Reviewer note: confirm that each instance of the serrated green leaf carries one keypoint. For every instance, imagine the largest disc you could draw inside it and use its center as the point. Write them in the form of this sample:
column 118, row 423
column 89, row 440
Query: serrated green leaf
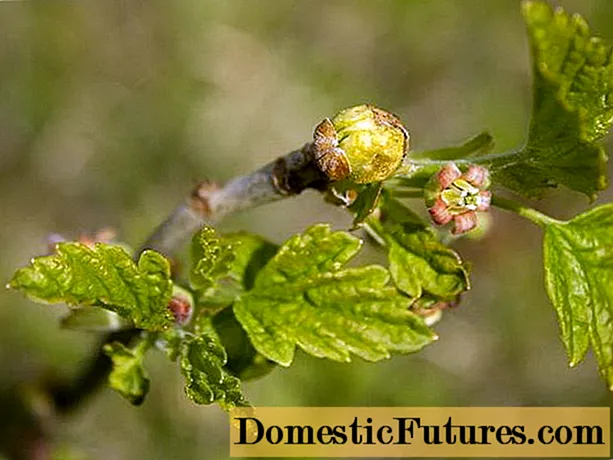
column 578, row 258
column 419, row 263
column 572, row 108
column 94, row 319
column 128, row 376
column 206, row 380
column 212, row 258
column 104, row 275
column 479, row 145
column 304, row 297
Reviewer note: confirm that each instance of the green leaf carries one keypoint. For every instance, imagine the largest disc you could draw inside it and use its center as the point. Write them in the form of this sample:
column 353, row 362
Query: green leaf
column 212, row 258
column 305, row 297
column 572, row 108
column 578, row 259
column 128, row 376
column 202, row 361
column 105, row 276
column 419, row 263
column 479, row 145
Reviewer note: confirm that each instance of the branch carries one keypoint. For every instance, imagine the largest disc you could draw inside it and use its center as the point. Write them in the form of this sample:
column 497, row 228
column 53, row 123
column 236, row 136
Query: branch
column 287, row 176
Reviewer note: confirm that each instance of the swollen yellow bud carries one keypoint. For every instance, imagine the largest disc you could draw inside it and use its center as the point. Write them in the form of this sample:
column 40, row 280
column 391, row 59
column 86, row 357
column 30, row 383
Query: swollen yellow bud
column 363, row 144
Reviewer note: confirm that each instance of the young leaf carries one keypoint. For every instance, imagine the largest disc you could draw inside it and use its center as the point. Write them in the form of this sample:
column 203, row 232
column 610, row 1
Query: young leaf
column 105, row 276
column 202, row 360
column 415, row 174
column 366, row 202
column 419, row 263
column 572, row 108
column 304, row 297
column 479, row 145
column 212, row 258
column 128, row 376
column 579, row 279
column 251, row 253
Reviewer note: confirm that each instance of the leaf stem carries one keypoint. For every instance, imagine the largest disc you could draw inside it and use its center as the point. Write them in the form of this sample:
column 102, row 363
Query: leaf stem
column 540, row 219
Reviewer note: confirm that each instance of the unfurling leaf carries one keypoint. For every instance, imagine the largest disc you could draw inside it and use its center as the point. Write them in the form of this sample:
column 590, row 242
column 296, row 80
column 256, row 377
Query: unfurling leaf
column 104, row 276
column 419, row 263
column 366, row 202
column 202, row 360
column 579, row 279
column 572, row 108
column 305, row 297
column 128, row 376
column 212, row 258
column 251, row 253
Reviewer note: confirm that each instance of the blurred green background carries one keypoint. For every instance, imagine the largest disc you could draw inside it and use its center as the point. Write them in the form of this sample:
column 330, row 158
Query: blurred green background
column 110, row 112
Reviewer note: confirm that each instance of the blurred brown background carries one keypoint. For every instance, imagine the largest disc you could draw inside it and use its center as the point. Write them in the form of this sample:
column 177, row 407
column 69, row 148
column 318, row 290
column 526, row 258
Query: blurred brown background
column 110, row 111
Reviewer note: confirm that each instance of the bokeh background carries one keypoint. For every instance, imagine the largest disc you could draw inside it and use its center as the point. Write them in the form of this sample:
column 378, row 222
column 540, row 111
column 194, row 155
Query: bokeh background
column 110, row 112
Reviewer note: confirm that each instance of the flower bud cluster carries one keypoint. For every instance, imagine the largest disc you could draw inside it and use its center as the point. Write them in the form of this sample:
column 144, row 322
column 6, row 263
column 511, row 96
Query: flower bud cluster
column 455, row 196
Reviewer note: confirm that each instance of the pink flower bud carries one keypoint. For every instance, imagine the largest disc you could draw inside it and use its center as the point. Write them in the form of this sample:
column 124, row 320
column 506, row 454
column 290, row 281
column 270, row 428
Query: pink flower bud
column 463, row 223
column 476, row 175
column 440, row 213
column 485, row 199
column 448, row 174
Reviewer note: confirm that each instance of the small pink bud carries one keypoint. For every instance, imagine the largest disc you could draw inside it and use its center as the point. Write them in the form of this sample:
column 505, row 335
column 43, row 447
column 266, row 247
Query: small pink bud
column 52, row 240
column 105, row 235
column 440, row 213
column 464, row 222
column 448, row 174
column 181, row 309
column 476, row 175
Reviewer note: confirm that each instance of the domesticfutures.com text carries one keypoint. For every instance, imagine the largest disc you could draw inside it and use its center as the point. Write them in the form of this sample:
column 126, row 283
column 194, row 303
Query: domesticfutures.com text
column 405, row 430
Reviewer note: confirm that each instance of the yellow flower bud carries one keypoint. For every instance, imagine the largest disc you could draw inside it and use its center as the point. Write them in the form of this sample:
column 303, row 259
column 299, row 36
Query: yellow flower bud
column 363, row 144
